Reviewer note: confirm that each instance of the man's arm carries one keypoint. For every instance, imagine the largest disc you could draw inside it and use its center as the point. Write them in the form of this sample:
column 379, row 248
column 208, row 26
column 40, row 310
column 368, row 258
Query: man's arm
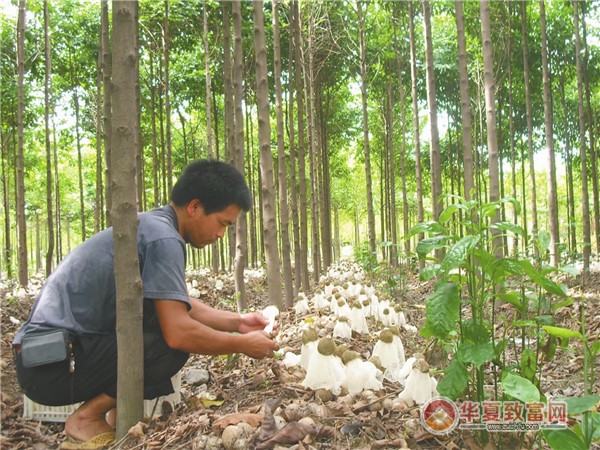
column 214, row 318
column 182, row 332
column 226, row 320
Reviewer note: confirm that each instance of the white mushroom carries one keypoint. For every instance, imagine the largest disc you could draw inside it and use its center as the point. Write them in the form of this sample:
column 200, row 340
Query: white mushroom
column 360, row 375
column 342, row 328
column 420, row 386
column 309, row 346
column 324, row 370
column 387, row 352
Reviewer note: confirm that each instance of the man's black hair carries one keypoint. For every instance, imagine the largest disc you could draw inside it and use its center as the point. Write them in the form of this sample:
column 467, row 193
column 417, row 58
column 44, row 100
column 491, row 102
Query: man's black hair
column 215, row 184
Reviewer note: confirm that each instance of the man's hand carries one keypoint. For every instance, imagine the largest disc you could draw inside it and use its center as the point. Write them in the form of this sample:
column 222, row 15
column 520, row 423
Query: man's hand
column 254, row 322
column 257, row 344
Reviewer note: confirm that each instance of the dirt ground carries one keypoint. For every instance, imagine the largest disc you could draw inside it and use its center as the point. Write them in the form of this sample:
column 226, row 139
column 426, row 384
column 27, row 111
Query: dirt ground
column 241, row 385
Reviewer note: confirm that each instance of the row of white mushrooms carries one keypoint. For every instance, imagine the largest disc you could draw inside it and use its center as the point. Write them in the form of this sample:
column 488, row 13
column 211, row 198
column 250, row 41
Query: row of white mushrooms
column 344, row 306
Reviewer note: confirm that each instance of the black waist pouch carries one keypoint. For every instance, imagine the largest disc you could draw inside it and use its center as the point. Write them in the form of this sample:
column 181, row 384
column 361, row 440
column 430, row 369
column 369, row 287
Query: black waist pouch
column 44, row 347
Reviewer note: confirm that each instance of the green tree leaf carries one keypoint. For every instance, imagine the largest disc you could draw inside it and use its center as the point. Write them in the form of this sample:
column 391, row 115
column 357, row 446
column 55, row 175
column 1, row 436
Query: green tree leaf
column 520, row 388
column 442, row 308
column 541, row 280
column 427, row 227
column 564, row 333
column 455, row 380
column 579, row 405
column 458, row 252
column 508, row 226
column 477, row 354
column 428, row 245
column 563, row 439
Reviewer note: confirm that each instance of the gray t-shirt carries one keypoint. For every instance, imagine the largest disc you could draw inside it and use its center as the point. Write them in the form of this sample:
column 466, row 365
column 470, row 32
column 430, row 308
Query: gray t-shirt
column 80, row 294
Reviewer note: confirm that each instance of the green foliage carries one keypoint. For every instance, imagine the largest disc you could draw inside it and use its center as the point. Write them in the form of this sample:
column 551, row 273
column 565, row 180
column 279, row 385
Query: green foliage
column 364, row 257
column 462, row 313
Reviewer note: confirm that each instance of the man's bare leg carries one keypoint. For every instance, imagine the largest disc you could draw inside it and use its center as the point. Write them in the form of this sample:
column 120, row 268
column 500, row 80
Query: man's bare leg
column 111, row 418
column 89, row 419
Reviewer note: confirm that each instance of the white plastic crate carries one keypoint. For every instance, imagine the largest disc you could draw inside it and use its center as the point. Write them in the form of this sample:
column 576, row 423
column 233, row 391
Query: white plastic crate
column 42, row 413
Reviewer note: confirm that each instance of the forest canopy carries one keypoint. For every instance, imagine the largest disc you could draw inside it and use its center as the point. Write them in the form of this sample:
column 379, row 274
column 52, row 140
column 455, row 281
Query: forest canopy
column 383, row 119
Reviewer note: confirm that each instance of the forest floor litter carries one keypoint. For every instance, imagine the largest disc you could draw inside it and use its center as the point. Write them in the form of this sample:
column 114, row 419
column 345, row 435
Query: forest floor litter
column 238, row 402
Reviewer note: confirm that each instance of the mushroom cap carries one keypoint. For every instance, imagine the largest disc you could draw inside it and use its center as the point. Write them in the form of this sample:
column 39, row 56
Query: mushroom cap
column 398, row 308
column 386, row 336
column 326, row 346
column 340, row 302
column 340, row 349
column 376, row 361
column 349, row 355
column 395, row 330
column 386, row 311
column 422, row 365
column 342, row 319
column 309, row 335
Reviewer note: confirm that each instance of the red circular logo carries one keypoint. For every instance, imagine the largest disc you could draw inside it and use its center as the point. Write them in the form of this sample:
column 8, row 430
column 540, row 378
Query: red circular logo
column 439, row 415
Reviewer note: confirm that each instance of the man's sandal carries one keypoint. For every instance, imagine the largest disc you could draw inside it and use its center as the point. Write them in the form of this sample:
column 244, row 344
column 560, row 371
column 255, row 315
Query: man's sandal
column 99, row 441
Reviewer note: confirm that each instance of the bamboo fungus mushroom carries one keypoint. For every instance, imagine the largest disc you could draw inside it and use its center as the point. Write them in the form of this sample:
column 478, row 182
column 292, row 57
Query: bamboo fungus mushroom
column 360, row 375
column 342, row 328
column 309, row 346
column 324, row 369
column 387, row 351
column 420, row 386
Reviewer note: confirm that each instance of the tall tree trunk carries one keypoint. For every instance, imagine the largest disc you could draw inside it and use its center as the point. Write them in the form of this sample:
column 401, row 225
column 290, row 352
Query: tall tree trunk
column 283, row 204
column 82, row 210
column 405, row 218
column 435, row 157
column 365, row 122
column 241, row 234
column 167, row 56
column 416, row 127
column 309, row 80
column 529, row 116
column 5, row 176
column 99, row 194
column 490, row 110
column 294, row 50
column 548, row 124
column 208, row 100
column 266, row 158
column 465, row 100
column 20, row 166
column 130, row 365
column 229, row 116
column 107, row 106
column 392, row 181
column 303, row 207
column 585, row 200
column 47, row 112
column 591, row 130
column 571, row 220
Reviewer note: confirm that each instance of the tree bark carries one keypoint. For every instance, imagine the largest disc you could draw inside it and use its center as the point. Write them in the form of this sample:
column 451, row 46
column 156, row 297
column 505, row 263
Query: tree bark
column 107, row 106
column 266, row 158
column 365, row 122
column 548, row 125
column 47, row 112
column 529, row 116
column 303, row 207
column 20, row 164
column 241, row 234
column 490, row 109
column 123, row 188
column 283, row 203
column 416, row 127
column 465, row 101
column 435, row 157
column 585, row 200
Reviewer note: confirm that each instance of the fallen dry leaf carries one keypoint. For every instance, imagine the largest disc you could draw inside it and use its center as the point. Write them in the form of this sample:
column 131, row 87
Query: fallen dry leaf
column 252, row 419
column 292, row 433
column 138, row 430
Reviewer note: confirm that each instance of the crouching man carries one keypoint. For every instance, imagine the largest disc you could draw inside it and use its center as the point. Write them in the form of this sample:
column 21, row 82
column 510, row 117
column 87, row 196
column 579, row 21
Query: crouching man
column 79, row 299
